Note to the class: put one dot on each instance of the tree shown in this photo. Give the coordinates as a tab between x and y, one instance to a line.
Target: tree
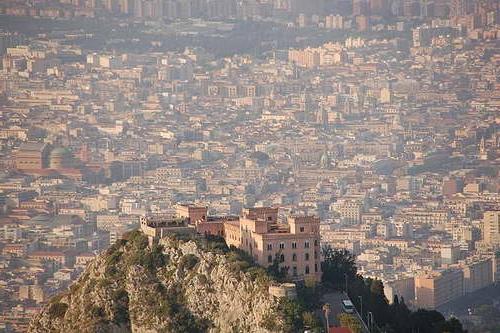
378	302
311	321
339	264
336	266
351	322
293	313
452	325
426	321
400	315
275	270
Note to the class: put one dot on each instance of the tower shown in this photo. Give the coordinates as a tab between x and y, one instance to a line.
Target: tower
483	153
324	162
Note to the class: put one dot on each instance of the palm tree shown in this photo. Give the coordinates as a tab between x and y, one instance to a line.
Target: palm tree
326	312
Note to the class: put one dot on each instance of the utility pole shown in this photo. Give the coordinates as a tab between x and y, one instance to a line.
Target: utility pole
361	300
326	311
370	321
345	277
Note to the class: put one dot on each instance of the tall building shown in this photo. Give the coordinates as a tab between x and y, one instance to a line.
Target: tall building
441	8
411	8
379	7
362	22
438	287
460	8
491	228
403	286
386	95
32	156
478	273
450	254
349	210
359	7
295	243
426	8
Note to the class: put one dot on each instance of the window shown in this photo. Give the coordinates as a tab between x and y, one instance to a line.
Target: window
294	270
282	258
294	257
269	218
269	258
269	247
306	245
315	254
301	229
282	246
316	243
294	245
316	268
306	256
307	269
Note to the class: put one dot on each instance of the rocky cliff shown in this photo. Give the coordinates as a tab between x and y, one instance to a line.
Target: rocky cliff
173	286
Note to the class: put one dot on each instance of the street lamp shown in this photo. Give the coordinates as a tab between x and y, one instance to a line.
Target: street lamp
370	321
326	312
345	277
361	301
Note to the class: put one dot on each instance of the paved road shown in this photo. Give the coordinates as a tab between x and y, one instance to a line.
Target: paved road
335	300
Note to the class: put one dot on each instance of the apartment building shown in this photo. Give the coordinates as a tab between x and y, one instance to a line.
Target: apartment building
32	155
349	210
491	228
478	273
436	288
296	244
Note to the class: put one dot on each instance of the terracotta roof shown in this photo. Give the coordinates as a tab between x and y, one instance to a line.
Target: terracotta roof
340	330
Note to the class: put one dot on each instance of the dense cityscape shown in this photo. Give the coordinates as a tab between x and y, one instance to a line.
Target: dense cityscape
368	125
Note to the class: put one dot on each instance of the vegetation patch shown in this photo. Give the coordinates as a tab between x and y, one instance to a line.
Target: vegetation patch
57	309
188	262
396	317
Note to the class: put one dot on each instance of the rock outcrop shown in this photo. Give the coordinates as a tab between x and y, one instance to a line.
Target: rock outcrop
172	286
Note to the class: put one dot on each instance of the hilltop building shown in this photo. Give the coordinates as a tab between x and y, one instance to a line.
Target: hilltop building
295	244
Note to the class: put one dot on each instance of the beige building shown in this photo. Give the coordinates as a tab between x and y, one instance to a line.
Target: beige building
295	244
349	210
32	155
418	216
491	228
438	287
160	225
33	292
192	213
478	273
402	287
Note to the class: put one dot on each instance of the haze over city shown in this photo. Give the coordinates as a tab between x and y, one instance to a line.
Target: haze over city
250	166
